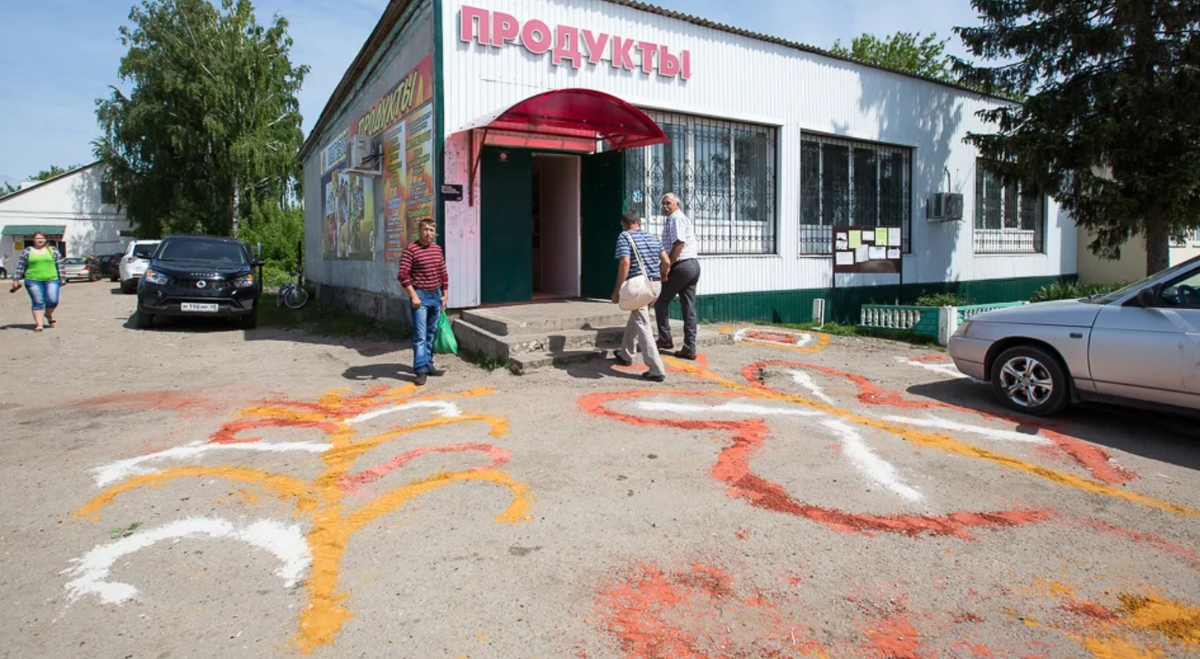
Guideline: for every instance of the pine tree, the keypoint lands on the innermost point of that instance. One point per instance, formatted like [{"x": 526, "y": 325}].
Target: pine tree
[
  {"x": 211, "y": 126},
  {"x": 1111, "y": 123}
]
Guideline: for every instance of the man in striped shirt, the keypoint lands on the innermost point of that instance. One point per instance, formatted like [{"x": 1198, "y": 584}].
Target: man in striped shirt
[
  {"x": 679, "y": 240},
  {"x": 629, "y": 265},
  {"x": 423, "y": 274}
]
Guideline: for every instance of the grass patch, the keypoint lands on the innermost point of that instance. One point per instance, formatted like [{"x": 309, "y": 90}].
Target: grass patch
[
  {"x": 324, "y": 321},
  {"x": 479, "y": 359},
  {"x": 835, "y": 329},
  {"x": 1073, "y": 290}
]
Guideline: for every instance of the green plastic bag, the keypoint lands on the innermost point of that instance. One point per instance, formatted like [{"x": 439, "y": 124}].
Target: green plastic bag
[{"x": 444, "y": 342}]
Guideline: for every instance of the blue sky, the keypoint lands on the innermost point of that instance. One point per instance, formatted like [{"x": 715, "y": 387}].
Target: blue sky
[{"x": 58, "y": 56}]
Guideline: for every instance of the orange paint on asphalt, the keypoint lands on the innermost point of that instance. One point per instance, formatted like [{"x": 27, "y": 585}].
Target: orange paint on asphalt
[{"x": 322, "y": 499}]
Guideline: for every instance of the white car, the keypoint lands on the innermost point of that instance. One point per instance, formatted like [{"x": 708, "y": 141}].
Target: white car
[{"x": 134, "y": 261}]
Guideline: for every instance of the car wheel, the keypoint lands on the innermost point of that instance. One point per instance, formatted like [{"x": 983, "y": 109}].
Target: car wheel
[
  {"x": 251, "y": 321},
  {"x": 125, "y": 286},
  {"x": 144, "y": 320},
  {"x": 1029, "y": 379}
]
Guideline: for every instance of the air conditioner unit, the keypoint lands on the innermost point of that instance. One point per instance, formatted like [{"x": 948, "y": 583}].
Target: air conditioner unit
[
  {"x": 944, "y": 207},
  {"x": 360, "y": 150}
]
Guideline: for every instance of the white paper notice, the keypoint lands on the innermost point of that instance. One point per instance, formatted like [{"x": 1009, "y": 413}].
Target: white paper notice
[
  {"x": 893, "y": 254},
  {"x": 861, "y": 254},
  {"x": 845, "y": 258},
  {"x": 868, "y": 236},
  {"x": 842, "y": 243},
  {"x": 878, "y": 254},
  {"x": 894, "y": 238}
]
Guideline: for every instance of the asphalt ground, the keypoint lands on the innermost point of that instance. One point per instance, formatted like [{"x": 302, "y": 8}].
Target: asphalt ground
[{"x": 198, "y": 490}]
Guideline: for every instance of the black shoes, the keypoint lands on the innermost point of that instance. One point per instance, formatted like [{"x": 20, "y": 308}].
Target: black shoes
[
  {"x": 654, "y": 378},
  {"x": 621, "y": 360},
  {"x": 665, "y": 345},
  {"x": 435, "y": 372},
  {"x": 420, "y": 381},
  {"x": 684, "y": 354}
]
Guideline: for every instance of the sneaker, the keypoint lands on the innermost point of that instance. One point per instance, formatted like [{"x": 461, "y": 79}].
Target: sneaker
[
  {"x": 685, "y": 354},
  {"x": 436, "y": 372},
  {"x": 665, "y": 345},
  {"x": 654, "y": 378},
  {"x": 420, "y": 381},
  {"x": 621, "y": 360}
]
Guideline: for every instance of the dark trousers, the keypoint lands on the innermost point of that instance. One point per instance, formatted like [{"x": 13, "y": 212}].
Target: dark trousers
[{"x": 681, "y": 281}]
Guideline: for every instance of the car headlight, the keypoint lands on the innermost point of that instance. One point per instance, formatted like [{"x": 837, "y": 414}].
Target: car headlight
[
  {"x": 155, "y": 277},
  {"x": 244, "y": 282},
  {"x": 962, "y": 329}
]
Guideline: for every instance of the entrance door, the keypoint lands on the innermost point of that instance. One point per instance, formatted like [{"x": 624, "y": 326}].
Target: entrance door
[
  {"x": 559, "y": 219},
  {"x": 506, "y": 225},
  {"x": 602, "y": 203}
]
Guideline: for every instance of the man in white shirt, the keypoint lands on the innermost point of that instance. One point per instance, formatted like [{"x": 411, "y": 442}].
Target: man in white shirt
[
  {"x": 679, "y": 240},
  {"x": 3, "y": 266}
]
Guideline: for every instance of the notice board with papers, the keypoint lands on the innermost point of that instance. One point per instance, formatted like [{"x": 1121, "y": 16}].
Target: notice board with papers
[{"x": 867, "y": 250}]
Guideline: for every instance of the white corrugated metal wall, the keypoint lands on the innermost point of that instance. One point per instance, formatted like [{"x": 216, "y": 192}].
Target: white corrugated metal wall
[{"x": 744, "y": 79}]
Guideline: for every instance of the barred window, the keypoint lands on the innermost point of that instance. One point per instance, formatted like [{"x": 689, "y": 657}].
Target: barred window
[
  {"x": 724, "y": 172},
  {"x": 851, "y": 183},
  {"x": 1010, "y": 218},
  {"x": 108, "y": 192}
]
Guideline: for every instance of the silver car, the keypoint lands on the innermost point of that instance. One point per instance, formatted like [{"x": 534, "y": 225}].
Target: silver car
[{"x": 1139, "y": 346}]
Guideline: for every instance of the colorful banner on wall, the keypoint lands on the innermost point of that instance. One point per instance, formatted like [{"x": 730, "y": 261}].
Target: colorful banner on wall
[
  {"x": 400, "y": 127},
  {"x": 349, "y": 216},
  {"x": 401, "y": 123}
]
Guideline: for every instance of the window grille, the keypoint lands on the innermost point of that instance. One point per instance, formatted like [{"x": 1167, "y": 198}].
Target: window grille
[
  {"x": 1010, "y": 218},
  {"x": 852, "y": 183},
  {"x": 724, "y": 174}
]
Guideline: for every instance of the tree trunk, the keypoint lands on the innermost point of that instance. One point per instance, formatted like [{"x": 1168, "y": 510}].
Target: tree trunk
[
  {"x": 1158, "y": 248},
  {"x": 235, "y": 209}
]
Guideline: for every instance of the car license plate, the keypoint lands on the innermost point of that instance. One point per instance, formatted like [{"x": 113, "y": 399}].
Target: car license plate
[{"x": 195, "y": 306}]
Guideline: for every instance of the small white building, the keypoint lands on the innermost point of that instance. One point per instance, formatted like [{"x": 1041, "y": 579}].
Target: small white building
[
  {"x": 526, "y": 127},
  {"x": 77, "y": 211}
]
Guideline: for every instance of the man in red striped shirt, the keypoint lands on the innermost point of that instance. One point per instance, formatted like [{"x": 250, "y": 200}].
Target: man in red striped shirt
[{"x": 423, "y": 274}]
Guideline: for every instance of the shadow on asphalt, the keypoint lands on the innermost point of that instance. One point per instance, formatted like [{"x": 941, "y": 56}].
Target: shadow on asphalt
[
  {"x": 198, "y": 325},
  {"x": 601, "y": 369},
  {"x": 1152, "y": 435},
  {"x": 398, "y": 372}
]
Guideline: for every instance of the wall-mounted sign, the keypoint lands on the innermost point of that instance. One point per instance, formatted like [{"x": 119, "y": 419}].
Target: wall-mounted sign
[
  {"x": 334, "y": 153},
  {"x": 452, "y": 192},
  {"x": 497, "y": 29},
  {"x": 866, "y": 250}
]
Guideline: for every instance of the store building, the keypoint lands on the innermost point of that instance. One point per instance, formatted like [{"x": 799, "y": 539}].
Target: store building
[
  {"x": 76, "y": 210},
  {"x": 526, "y": 127}
]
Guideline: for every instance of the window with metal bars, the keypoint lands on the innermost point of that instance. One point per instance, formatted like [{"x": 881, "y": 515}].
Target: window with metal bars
[
  {"x": 724, "y": 173},
  {"x": 1010, "y": 218},
  {"x": 852, "y": 183}
]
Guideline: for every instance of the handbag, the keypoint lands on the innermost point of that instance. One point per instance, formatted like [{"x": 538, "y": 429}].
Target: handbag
[
  {"x": 639, "y": 291},
  {"x": 444, "y": 342}
]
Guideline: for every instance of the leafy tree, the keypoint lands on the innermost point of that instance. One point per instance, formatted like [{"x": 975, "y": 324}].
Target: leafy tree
[
  {"x": 44, "y": 175},
  {"x": 1111, "y": 126},
  {"x": 903, "y": 51},
  {"x": 211, "y": 126}
]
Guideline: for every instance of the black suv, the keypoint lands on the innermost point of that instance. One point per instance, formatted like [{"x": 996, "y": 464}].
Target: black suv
[{"x": 191, "y": 276}]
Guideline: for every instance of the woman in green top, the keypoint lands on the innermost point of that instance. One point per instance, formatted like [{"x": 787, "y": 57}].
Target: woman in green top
[{"x": 40, "y": 267}]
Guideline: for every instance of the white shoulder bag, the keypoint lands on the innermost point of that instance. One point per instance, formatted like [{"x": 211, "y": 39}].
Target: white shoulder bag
[{"x": 639, "y": 291}]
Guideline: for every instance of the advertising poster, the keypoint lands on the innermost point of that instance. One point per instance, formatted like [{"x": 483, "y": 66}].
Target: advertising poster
[
  {"x": 400, "y": 125},
  {"x": 419, "y": 165},
  {"x": 349, "y": 214}
]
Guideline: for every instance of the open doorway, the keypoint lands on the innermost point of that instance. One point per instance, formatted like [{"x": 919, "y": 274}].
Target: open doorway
[{"x": 556, "y": 180}]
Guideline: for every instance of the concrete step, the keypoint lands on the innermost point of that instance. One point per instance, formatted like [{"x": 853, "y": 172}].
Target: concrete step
[
  {"x": 548, "y": 317},
  {"x": 567, "y": 344},
  {"x": 530, "y": 362}
]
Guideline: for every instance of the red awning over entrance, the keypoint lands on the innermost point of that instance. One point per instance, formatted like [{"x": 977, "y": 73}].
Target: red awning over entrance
[
  {"x": 577, "y": 120},
  {"x": 581, "y": 116}
]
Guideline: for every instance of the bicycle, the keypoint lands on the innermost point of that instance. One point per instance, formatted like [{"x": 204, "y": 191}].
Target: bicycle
[{"x": 293, "y": 295}]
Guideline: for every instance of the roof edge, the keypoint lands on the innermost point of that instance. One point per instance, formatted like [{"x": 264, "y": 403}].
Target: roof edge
[
  {"x": 396, "y": 8},
  {"x": 371, "y": 46},
  {"x": 49, "y": 180}
]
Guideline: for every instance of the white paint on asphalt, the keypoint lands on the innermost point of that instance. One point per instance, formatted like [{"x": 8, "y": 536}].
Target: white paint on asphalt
[
  {"x": 122, "y": 469},
  {"x": 92, "y": 570},
  {"x": 990, "y": 433},
  {"x": 876, "y": 468},
  {"x": 731, "y": 408},
  {"x": 805, "y": 380},
  {"x": 446, "y": 409}
]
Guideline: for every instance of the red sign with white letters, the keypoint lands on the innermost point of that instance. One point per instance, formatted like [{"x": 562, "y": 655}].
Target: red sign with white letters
[{"x": 497, "y": 29}]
